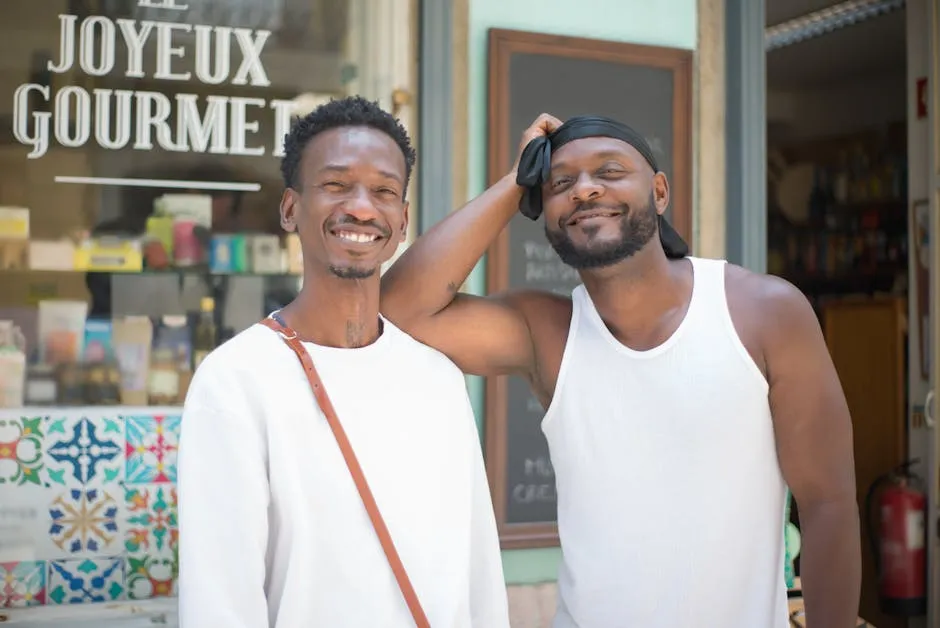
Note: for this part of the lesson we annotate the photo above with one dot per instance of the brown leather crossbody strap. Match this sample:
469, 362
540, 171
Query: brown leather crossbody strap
290, 337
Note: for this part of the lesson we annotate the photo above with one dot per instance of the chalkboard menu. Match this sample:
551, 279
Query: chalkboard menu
529, 73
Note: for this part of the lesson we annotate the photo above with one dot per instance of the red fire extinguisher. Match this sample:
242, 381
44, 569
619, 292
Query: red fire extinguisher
896, 509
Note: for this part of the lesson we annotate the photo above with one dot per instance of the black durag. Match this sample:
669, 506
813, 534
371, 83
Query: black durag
536, 162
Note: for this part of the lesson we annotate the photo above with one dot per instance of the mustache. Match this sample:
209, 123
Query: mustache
347, 219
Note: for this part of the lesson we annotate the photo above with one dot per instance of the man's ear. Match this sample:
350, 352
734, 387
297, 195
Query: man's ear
660, 192
289, 206
404, 222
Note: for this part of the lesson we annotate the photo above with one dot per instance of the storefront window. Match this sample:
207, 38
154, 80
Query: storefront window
139, 177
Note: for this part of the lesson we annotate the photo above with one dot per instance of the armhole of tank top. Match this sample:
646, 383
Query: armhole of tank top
565, 359
745, 355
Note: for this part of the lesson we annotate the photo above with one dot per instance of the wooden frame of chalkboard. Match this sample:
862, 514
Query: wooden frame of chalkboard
559, 73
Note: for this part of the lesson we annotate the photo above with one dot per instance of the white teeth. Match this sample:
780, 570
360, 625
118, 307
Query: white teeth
594, 216
357, 237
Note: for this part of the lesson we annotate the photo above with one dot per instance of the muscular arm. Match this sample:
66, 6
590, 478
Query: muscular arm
482, 335
814, 444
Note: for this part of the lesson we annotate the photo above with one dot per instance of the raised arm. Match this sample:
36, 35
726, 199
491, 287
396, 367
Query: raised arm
814, 445
482, 335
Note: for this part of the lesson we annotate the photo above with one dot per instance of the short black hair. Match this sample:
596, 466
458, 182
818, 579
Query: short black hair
349, 111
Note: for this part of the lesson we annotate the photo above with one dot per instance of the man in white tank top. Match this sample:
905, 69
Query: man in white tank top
273, 532
682, 395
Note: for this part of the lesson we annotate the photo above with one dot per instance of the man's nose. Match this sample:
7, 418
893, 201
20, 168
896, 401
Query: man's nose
360, 206
586, 188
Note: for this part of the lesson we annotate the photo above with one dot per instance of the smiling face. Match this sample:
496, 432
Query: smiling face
349, 208
602, 202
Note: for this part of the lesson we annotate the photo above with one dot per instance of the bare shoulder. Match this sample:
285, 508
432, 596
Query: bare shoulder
545, 313
538, 303
768, 290
548, 317
774, 299
766, 311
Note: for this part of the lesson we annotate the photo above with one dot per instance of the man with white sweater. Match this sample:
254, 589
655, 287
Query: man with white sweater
273, 531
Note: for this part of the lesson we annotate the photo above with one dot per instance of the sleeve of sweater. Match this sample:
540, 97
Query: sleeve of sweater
489, 606
223, 503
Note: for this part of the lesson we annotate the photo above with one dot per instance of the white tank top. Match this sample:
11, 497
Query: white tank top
670, 495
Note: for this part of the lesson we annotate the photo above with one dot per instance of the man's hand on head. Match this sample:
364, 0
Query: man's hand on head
544, 125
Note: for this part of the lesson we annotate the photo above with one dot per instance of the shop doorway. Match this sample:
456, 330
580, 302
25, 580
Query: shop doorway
847, 223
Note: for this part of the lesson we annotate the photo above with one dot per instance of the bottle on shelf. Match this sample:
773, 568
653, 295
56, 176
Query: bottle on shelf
818, 199
12, 365
204, 338
163, 379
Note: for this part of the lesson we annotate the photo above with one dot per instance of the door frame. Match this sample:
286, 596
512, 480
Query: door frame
933, 457
746, 139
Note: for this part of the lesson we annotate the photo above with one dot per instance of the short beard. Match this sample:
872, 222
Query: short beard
637, 228
351, 272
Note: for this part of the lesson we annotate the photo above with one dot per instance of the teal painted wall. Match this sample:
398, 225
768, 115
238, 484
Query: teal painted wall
662, 23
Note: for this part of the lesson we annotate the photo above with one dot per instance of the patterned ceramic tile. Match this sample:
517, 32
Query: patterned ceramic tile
152, 443
76, 581
84, 451
22, 584
151, 576
93, 496
85, 521
151, 519
21, 450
